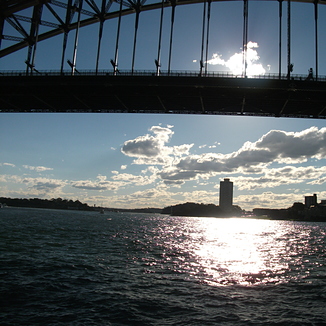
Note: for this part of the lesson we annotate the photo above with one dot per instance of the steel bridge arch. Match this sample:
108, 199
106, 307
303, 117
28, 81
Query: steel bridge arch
9, 9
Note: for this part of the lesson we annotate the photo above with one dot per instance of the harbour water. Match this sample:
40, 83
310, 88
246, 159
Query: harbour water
85, 268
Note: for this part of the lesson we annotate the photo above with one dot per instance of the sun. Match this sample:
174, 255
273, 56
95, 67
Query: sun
236, 62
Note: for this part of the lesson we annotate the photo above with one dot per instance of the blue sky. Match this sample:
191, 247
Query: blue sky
124, 160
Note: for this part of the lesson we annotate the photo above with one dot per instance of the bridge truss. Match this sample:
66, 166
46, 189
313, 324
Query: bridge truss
30, 22
25, 18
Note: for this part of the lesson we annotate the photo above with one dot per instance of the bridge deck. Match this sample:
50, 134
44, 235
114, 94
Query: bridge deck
163, 94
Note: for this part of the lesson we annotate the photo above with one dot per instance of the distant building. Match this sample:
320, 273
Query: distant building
310, 201
226, 194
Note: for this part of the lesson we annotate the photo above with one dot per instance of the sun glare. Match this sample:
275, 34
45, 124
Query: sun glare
236, 62
237, 252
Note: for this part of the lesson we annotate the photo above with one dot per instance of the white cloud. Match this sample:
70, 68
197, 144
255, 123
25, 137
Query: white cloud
152, 149
286, 175
100, 184
182, 149
44, 182
42, 185
268, 200
156, 197
318, 181
269, 162
8, 164
11, 178
252, 158
235, 62
143, 147
295, 147
37, 168
139, 180
275, 146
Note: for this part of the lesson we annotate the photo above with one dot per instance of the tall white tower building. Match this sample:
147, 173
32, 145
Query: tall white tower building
226, 194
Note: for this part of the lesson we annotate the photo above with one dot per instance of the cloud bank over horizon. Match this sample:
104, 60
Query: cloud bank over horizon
276, 146
171, 174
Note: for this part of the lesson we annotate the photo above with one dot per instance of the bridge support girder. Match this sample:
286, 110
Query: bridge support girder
164, 94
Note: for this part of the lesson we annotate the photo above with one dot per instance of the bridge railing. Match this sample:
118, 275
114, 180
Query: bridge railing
174, 73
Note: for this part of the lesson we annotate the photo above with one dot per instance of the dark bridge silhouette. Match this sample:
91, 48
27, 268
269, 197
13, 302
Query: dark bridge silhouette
157, 91
170, 93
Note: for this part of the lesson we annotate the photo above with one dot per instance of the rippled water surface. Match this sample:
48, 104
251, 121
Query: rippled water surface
86, 268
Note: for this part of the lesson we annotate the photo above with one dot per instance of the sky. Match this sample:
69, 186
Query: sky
151, 160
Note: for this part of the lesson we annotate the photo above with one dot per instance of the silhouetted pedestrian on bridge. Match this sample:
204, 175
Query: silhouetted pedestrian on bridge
310, 75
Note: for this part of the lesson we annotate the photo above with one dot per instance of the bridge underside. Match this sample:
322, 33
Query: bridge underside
163, 94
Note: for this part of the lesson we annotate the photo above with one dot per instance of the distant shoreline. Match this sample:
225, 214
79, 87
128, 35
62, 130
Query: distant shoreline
315, 214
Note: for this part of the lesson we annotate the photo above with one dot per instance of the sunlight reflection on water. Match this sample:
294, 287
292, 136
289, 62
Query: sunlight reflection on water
140, 269
246, 251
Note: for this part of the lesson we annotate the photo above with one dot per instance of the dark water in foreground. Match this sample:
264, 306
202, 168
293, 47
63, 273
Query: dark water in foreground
84, 268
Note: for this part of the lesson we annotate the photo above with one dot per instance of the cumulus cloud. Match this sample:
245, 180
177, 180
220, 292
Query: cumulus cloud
152, 149
275, 146
177, 177
268, 199
8, 164
148, 146
295, 147
146, 177
318, 181
42, 186
271, 161
11, 178
286, 175
100, 184
235, 62
139, 180
143, 198
37, 168
182, 149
